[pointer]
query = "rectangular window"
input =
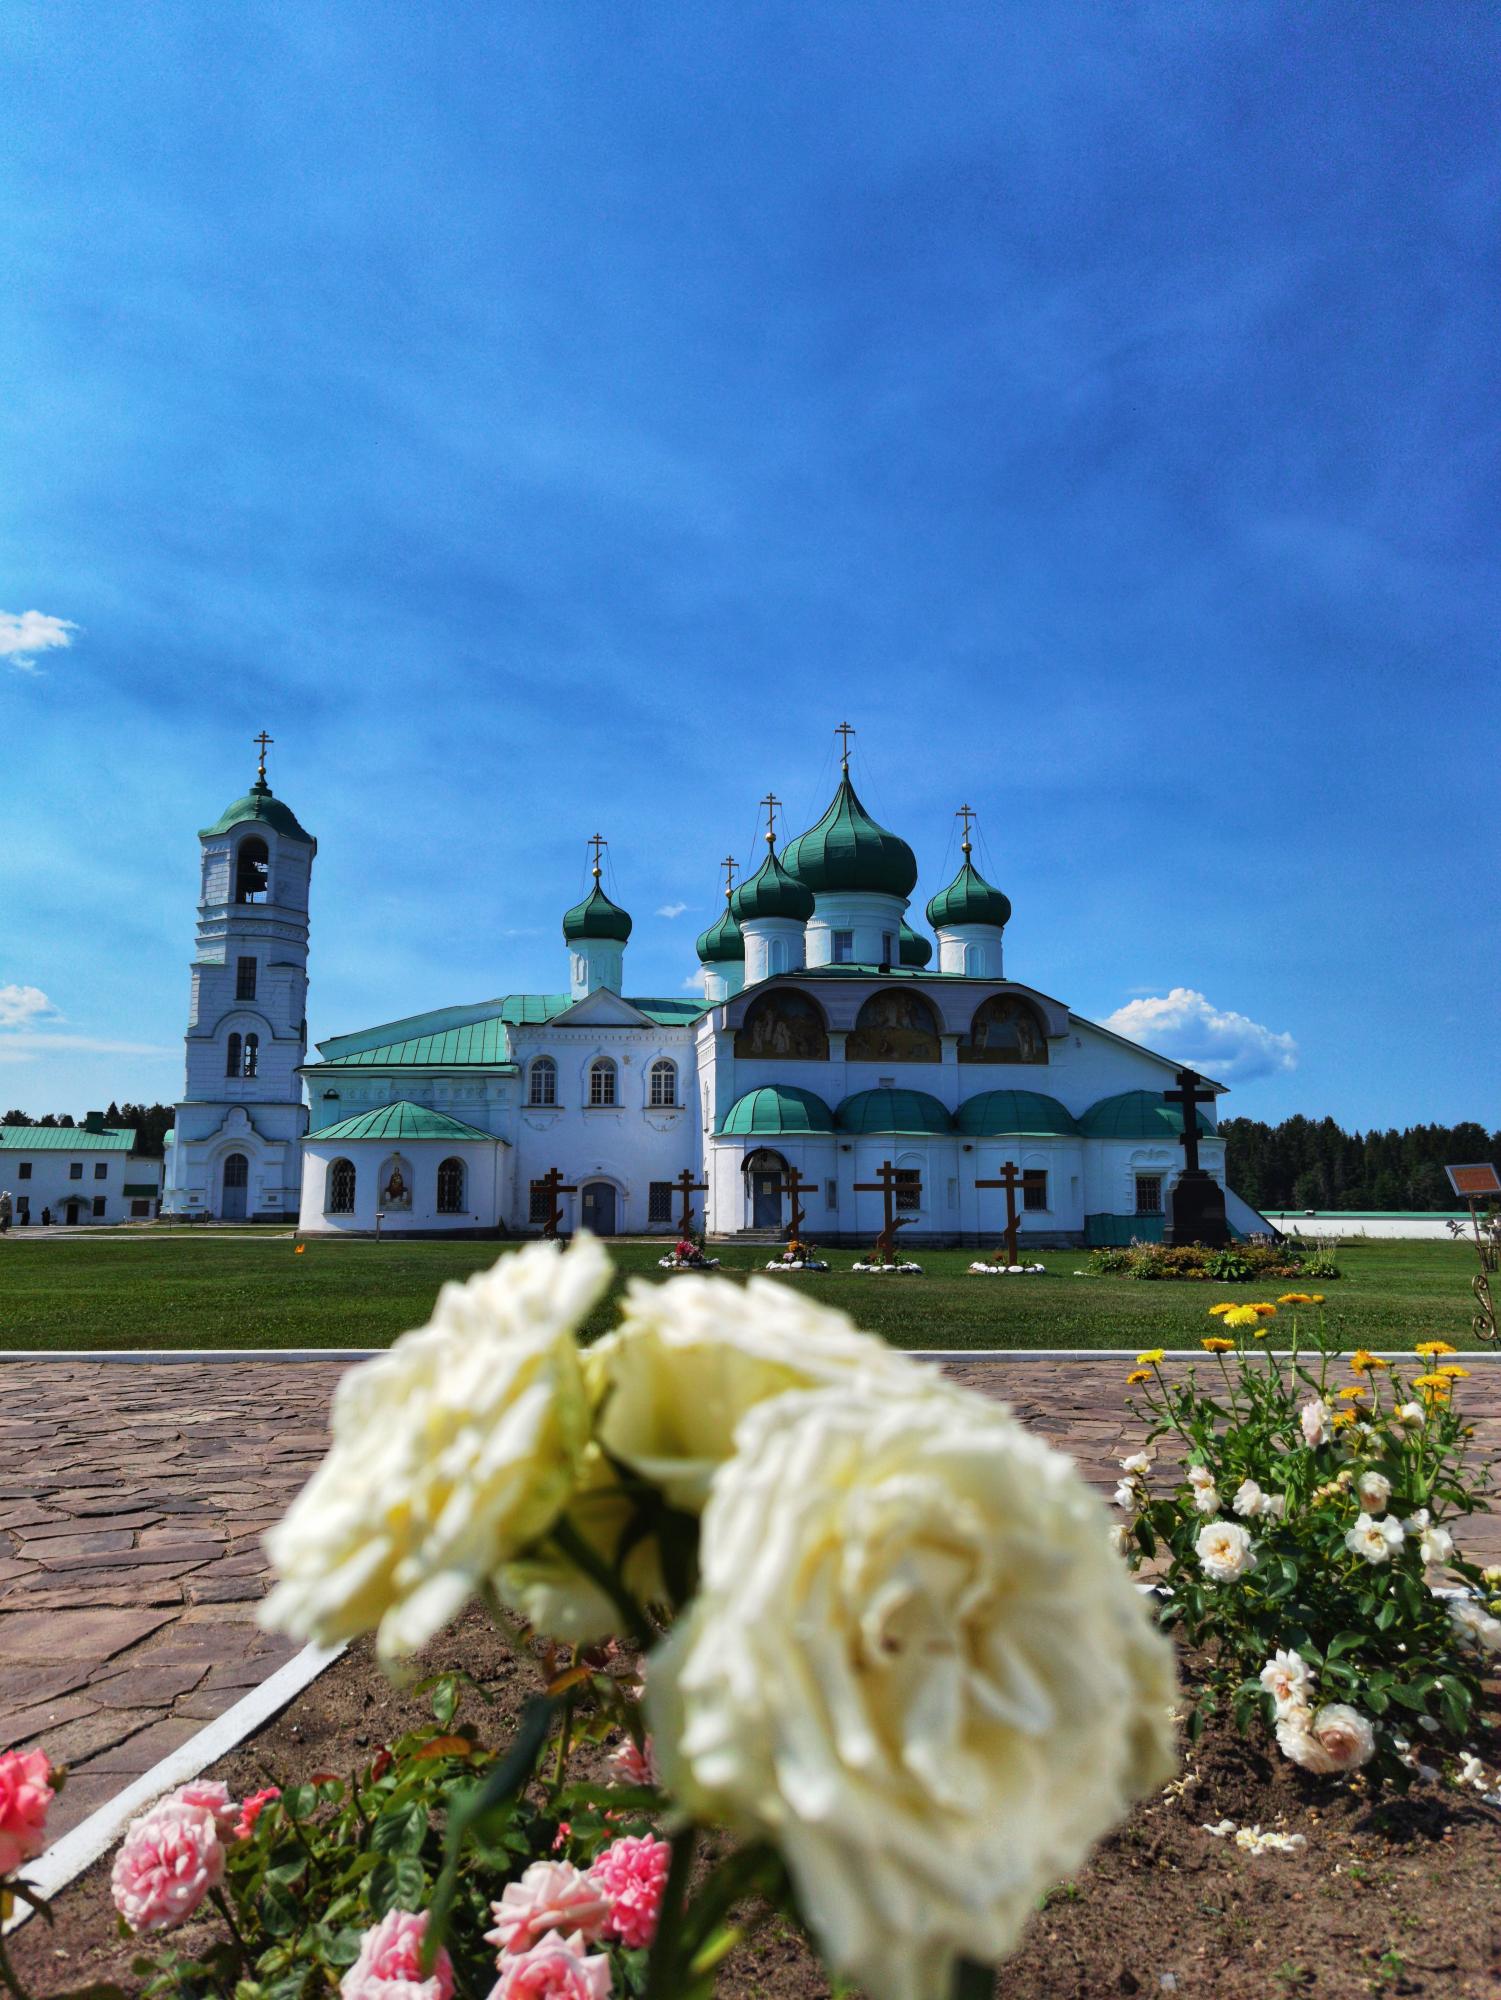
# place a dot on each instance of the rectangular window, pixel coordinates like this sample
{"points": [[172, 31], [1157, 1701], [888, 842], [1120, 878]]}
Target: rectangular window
{"points": [[101, 1170], [75, 1170], [98, 1204], [244, 979], [541, 1208], [844, 947], [831, 1194], [1034, 1188], [659, 1201], [23, 1207], [1149, 1194], [23, 1172], [887, 947], [140, 1208], [908, 1190]]}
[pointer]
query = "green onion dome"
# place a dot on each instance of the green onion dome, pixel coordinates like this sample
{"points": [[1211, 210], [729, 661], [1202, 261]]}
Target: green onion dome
{"points": [[596, 917], [969, 899], [913, 949], [259, 804], [723, 943], [772, 892], [847, 850]]}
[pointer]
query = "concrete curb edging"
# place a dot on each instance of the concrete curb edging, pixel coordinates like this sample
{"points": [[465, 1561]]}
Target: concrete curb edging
{"points": [[215, 1357], [66, 1859]]}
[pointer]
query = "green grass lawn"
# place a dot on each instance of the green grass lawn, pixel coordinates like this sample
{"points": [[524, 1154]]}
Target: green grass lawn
{"points": [[208, 1290]]}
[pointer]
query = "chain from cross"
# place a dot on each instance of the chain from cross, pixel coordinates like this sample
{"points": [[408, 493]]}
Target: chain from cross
{"points": [[886, 1186], [688, 1187], [1189, 1096], [598, 842], [1011, 1179], [795, 1187], [845, 732], [265, 743], [552, 1184]]}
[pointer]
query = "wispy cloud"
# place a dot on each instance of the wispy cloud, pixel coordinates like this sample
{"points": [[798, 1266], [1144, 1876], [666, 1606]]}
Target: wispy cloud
{"points": [[22, 1004], [1183, 1023], [22, 1040], [694, 983], [672, 909], [24, 634]]}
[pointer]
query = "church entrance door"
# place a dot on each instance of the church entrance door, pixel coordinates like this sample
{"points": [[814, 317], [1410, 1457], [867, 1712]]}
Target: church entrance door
{"points": [[766, 1200], [236, 1184], [598, 1208]]}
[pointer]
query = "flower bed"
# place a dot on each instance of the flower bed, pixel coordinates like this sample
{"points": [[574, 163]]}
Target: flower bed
{"points": [[888, 1270], [799, 1264], [671, 1263], [981, 1269]]}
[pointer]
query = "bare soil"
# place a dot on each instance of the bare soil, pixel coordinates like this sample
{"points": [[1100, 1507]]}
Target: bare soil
{"points": [[1397, 1898]]}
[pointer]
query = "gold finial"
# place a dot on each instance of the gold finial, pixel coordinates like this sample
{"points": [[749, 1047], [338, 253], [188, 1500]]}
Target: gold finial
{"points": [[598, 842], [729, 865], [771, 802], [966, 813], [845, 732], [265, 742]]}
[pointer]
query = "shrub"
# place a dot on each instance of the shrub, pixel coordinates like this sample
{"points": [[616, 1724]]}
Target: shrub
{"points": [[1298, 1541]]}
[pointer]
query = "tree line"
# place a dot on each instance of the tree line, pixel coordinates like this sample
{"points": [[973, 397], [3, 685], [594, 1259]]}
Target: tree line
{"points": [[1315, 1163], [152, 1123]]}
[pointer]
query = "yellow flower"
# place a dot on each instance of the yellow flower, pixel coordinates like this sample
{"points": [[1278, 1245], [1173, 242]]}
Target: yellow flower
{"points": [[1453, 1370], [1435, 1395], [1296, 1299], [1439, 1381], [1315, 1298], [1353, 1394], [1242, 1316], [1341, 1418], [1152, 1355], [1261, 1333], [1432, 1347], [1224, 1306], [1362, 1361], [1264, 1311], [1218, 1346], [1139, 1375]]}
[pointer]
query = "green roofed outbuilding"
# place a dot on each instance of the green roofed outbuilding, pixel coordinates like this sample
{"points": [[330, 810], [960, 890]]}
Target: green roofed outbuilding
{"points": [[402, 1120]]}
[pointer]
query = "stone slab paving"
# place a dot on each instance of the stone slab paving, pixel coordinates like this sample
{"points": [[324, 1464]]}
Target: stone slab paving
{"points": [[131, 1517]]}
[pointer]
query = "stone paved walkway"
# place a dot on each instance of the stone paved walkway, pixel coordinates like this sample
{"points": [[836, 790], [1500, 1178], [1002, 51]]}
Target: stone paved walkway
{"points": [[130, 1524]]}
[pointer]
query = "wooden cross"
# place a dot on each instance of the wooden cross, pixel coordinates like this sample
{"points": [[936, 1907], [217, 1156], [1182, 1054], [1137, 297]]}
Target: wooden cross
{"points": [[844, 730], [886, 1186], [1190, 1097], [794, 1186], [552, 1185], [1011, 1179], [687, 1186], [265, 742]]}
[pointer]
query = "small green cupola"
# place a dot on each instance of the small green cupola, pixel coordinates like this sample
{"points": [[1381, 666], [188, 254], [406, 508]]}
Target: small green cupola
{"points": [[772, 908], [596, 918], [596, 932], [912, 947], [260, 805], [721, 948], [970, 917], [969, 899]]}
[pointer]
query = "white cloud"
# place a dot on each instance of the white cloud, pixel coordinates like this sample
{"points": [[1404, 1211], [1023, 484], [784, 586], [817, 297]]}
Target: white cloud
{"points": [[694, 983], [1183, 1024], [24, 634], [20, 1005], [672, 909]]}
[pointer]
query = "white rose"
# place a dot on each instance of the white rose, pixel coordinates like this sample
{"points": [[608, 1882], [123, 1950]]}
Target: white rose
{"points": [[1288, 1679], [1406, 1417], [1247, 1501], [1314, 1417], [690, 1358], [915, 1665], [1200, 1475], [1224, 1551], [1139, 1461], [1206, 1499], [1376, 1537], [1334, 1738], [1121, 1539], [1474, 1625], [1374, 1490], [449, 1453], [1273, 1506], [1125, 1494]]}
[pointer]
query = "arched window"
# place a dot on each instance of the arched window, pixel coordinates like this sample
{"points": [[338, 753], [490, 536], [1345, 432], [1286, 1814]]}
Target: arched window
{"points": [[451, 1187], [340, 1188], [664, 1083], [543, 1077], [252, 870], [252, 1055], [894, 1025], [783, 1026], [601, 1081], [1005, 1030], [232, 1056]]}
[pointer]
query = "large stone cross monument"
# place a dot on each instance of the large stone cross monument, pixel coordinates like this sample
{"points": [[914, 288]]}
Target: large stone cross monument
{"points": [[1196, 1204]]}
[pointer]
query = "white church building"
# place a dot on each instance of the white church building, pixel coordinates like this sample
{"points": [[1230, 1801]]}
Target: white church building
{"points": [[827, 1046]]}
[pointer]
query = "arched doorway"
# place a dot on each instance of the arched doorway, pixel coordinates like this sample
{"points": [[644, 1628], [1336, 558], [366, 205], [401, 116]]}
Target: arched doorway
{"points": [[764, 1170], [597, 1207], [236, 1188]]}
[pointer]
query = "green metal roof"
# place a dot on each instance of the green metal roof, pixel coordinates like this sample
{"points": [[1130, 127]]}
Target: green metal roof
{"points": [[722, 943], [400, 1121], [772, 892], [259, 804], [1013, 1114], [1137, 1114], [848, 850], [66, 1139], [912, 948], [969, 899], [776, 1108], [893, 1111], [473, 1037], [479, 1045], [596, 917]]}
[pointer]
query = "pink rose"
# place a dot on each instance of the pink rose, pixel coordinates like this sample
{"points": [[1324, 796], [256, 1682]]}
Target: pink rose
{"points": [[551, 1896], [252, 1809], [389, 1966], [636, 1765], [633, 1873], [211, 1797], [25, 1795], [168, 1861], [554, 1969]]}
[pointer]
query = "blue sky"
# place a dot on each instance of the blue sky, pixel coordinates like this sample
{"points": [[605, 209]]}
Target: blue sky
{"points": [[546, 418]]}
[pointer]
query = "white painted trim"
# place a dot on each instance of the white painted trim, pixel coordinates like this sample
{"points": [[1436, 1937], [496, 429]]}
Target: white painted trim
{"points": [[65, 1860], [227, 1356]]}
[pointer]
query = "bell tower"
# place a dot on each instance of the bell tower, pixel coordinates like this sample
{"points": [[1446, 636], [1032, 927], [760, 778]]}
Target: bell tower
{"points": [[234, 1152]]}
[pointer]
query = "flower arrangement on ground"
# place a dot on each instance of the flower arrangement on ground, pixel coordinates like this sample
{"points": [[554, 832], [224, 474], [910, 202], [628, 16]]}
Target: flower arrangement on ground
{"points": [[892, 1668], [798, 1256], [1306, 1545], [983, 1268]]}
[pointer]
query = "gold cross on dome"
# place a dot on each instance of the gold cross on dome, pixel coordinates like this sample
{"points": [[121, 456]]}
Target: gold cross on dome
{"points": [[265, 742], [966, 813], [845, 732], [729, 865], [771, 802], [598, 842]]}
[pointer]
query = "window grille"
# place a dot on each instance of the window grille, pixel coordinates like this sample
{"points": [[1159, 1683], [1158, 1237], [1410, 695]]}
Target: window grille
{"points": [[664, 1084], [541, 1207], [252, 1054], [451, 1187], [1034, 1188], [341, 1188], [659, 1201], [232, 1056], [908, 1189], [602, 1081], [1149, 1194], [245, 979], [544, 1081]]}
